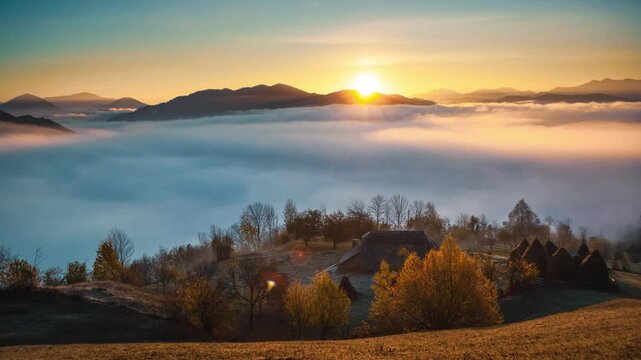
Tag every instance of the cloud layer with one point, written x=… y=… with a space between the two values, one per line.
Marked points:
x=165 y=181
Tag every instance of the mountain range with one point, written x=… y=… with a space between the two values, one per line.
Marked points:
x=28 y=104
x=27 y=123
x=222 y=101
x=606 y=90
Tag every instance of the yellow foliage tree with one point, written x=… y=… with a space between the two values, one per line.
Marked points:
x=107 y=266
x=445 y=289
x=329 y=304
x=208 y=307
x=297 y=307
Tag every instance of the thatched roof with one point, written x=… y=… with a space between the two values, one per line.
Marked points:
x=535 y=254
x=561 y=266
x=518 y=251
x=348 y=288
x=550 y=248
x=593 y=269
x=583 y=251
x=376 y=246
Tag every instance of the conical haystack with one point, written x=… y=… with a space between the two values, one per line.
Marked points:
x=550 y=248
x=561 y=266
x=535 y=254
x=518 y=251
x=583 y=251
x=348 y=288
x=593 y=269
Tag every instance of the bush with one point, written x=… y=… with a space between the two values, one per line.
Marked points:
x=297 y=307
x=521 y=275
x=445 y=289
x=53 y=277
x=76 y=273
x=329 y=304
x=207 y=307
x=19 y=275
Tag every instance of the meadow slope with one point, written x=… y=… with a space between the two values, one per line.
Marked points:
x=606 y=330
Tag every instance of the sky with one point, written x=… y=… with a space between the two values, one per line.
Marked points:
x=163 y=182
x=155 y=50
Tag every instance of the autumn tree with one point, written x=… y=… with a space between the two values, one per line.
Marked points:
x=107 y=265
x=53 y=277
x=76 y=273
x=445 y=289
x=383 y=313
x=308 y=224
x=18 y=274
x=255 y=225
x=298 y=307
x=334 y=227
x=521 y=275
x=207 y=306
x=329 y=304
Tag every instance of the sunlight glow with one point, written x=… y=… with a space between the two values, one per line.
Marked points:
x=366 y=84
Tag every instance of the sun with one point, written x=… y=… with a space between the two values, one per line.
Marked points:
x=366 y=84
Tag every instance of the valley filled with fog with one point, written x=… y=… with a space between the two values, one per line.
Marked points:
x=163 y=182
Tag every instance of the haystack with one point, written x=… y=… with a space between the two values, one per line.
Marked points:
x=593 y=269
x=348 y=288
x=550 y=248
x=535 y=254
x=561 y=266
x=518 y=251
x=583 y=251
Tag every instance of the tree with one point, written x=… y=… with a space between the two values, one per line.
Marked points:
x=208 y=307
x=76 y=272
x=254 y=224
x=122 y=245
x=357 y=208
x=289 y=214
x=399 y=206
x=445 y=289
x=5 y=258
x=220 y=241
x=430 y=222
x=244 y=279
x=308 y=224
x=383 y=313
x=107 y=265
x=376 y=210
x=53 y=277
x=19 y=275
x=564 y=232
x=334 y=227
x=330 y=305
x=522 y=221
x=521 y=275
x=297 y=306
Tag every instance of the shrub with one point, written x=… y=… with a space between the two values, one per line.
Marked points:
x=521 y=275
x=53 y=277
x=207 y=307
x=76 y=273
x=297 y=307
x=329 y=304
x=445 y=289
x=20 y=275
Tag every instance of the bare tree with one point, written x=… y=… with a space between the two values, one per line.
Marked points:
x=122 y=244
x=244 y=279
x=254 y=224
x=377 y=209
x=399 y=206
x=289 y=212
x=583 y=230
x=357 y=208
x=418 y=208
x=272 y=225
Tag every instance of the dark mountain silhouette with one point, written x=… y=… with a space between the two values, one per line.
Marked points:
x=79 y=102
x=28 y=104
x=483 y=95
x=124 y=103
x=221 y=101
x=629 y=89
x=28 y=123
x=548 y=98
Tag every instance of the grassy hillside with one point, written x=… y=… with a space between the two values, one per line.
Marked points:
x=606 y=330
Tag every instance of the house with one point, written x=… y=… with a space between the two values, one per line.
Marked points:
x=375 y=246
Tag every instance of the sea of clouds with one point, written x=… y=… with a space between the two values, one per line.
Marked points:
x=163 y=182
